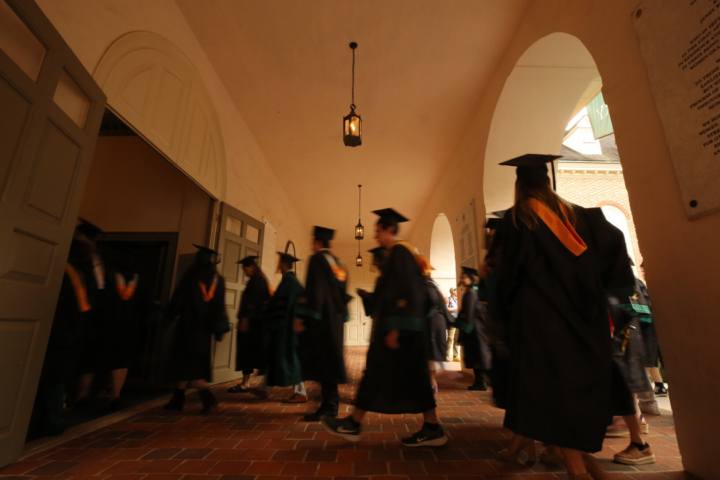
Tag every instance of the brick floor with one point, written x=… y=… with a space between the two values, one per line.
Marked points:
x=251 y=439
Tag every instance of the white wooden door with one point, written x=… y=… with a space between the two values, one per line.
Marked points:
x=50 y=112
x=359 y=326
x=239 y=235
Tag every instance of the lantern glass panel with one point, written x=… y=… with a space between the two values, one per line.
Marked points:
x=358 y=261
x=359 y=232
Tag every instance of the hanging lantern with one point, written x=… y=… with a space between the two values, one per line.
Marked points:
x=352 y=123
x=358 y=260
x=359 y=229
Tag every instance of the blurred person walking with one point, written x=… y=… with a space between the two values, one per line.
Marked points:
x=471 y=324
x=453 y=352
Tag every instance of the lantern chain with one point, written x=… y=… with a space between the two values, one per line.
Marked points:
x=353 y=80
x=359 y=201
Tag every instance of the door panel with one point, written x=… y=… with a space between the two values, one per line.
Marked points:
x=233 y=244
x=359 y=325
x=47 y=137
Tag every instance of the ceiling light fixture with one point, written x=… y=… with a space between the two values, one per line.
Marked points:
x=352 y=123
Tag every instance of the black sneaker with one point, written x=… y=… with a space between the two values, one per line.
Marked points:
x=480 y=387
x=661 y=391
x=426 y=437
x=341 y=427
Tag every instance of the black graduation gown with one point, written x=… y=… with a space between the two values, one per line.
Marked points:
x=559 y=385
x=197 y=322
x=323 y=309
x=94 y=322
x=122 y=322
x=397 y=381
x=439 y=320
x=283 y=368
x=251 y=345
x=63 y=346
x=472 y=337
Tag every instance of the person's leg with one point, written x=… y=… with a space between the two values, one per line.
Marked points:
x=433 y=379
x=118 y=380
x=655 y=374
x=247 y=373
x=479 y=383
x=330 y=399
x=648 y=402
x=574 y=461
x=450 y=334
x=456 y=347
x=206 y=396
x=84 y=383
x=177 y=402
x=263 y=387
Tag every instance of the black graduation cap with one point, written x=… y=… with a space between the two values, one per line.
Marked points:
x=378 y=252
x=500 y=213
x=248 y=261
x=207 y=254
x=492 y=223
x=287 y=258
x=532 y=167
x=322 y=233
x=88 y=229
x=390 y=214
x=470 y=271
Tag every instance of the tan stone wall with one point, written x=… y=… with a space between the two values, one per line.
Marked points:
x=597 y=190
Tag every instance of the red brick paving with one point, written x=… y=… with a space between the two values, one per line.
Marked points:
x=251 y=439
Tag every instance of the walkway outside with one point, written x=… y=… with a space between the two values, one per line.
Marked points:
x=252 y=439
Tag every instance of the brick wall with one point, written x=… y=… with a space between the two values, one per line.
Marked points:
x=595 y=190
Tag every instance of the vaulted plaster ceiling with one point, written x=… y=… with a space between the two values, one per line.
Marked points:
x=421 y=68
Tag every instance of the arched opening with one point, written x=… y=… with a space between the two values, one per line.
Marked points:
x=543 y=109
x=442 y=255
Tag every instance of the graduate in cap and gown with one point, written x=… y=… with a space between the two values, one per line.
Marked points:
x=397 y=378
x=471 y=324
x=439 y=320
x=127 y=304
x=251 y=338
x=92 y=267
x=198 y=307
x=283 y=364
x=322 y=313
x=557 y=261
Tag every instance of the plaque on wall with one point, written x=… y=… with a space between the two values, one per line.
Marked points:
x=680 y=44
x=468 y=237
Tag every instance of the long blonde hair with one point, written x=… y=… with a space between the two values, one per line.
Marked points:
x=523 y=212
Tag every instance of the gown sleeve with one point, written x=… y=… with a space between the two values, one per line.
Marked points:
x=219 y=318
x=611 y=254
x=467 y=311
x=399 y=298
x=310 y=304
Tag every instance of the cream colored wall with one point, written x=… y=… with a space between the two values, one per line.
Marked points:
x=442 y=255
x=132 y=188
x=91 y=26
x=681 y=257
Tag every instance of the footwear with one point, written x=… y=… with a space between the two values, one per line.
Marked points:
x=456 y=359
x=426 y=437
x=317 y=416
x=296 y=398
x=651 y=408
x=177 y=402
x=341 y=427
x=633 y=456
x=435 y=389
x=526 y=444
x=661 y=391
x=447 y=358
x=238 y=389
x=480 y=387
x=208 y=401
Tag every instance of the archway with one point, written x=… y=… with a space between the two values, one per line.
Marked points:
x=554 y=78
x=442 y=255
x=552 y=82
x=157 y=90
